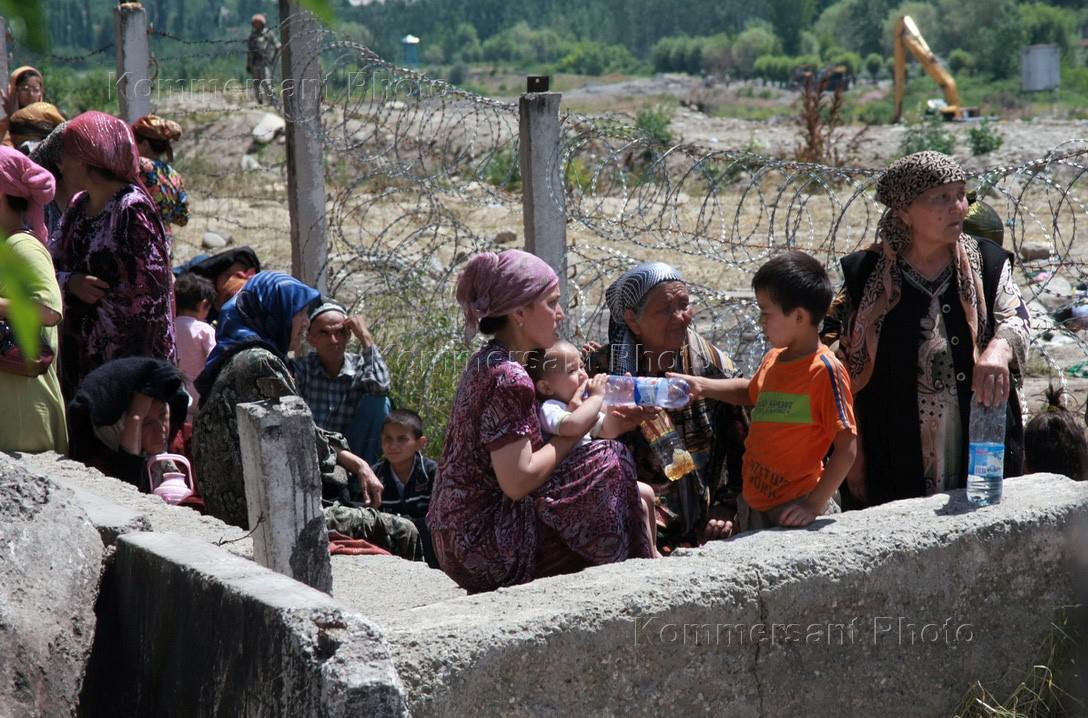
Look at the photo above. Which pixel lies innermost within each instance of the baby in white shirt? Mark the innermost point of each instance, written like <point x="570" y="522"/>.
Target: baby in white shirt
<point x="570" y="400"/>
<point x="570" y="405"/>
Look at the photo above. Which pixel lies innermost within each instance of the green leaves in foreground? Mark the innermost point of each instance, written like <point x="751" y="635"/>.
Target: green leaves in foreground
<point x="28" y="20"/>
<point x="321" y="8"/>
<point x="17" y="277"/>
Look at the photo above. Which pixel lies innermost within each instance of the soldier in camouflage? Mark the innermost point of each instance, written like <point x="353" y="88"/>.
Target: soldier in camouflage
<point x="260" y="54"/>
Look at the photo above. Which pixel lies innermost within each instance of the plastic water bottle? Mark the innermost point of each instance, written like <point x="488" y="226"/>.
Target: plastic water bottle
<point x="667" y="393"/>
<point x="986" y="454"/>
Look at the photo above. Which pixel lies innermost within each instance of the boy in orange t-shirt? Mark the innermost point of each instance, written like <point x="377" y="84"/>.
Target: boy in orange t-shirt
<point x="803" y="405"/>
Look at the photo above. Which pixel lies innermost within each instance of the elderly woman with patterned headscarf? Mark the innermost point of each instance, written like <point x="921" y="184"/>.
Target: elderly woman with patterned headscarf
<point x="111" y="254"/>
<point x="154" y="139"/>
<point x="649" y="334"/>
<point x="508" y="507"/>
<point x="928" y="318"/>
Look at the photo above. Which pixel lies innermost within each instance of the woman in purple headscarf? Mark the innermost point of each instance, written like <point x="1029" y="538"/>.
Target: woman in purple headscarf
<point x="111" y="254"/>
<point x="507" y="507"/>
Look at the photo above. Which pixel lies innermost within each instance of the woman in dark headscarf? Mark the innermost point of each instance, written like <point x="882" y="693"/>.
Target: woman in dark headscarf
<point x="111" y="254"/>
<point x="649" y="334"/>
<point x="257" y="328"/>
<point x="930" y="303"/>
<point x="47" y="154"/>
<point x="508" y="507"/>
<point x="125" y="411"/>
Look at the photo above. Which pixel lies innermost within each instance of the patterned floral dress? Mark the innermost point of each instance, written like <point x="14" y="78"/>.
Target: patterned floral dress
<point x="167" y="189"/>
<point x="938" y="402"/>
<point x="125" y="245"/>
<point x="586" y="514"/>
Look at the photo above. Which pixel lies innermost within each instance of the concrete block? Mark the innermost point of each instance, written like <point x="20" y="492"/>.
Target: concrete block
<point x="108" y="518"/>
<point x="893" y="611"/>
<point x="283" y="489"/>
<point x="201" y="632"/>
<point x="543" y="192"/>
<point x="50" y="564"/>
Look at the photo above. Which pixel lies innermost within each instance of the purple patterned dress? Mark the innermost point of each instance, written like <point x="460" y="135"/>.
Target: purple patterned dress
<point x="126" y="246"/>
<point x="586" y="514"/>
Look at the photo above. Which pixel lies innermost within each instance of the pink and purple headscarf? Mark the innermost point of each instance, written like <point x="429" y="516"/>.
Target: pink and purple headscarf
<point x="21" y="177"/>
<point x="104" y="141"/>
<point x="493" y="285"/>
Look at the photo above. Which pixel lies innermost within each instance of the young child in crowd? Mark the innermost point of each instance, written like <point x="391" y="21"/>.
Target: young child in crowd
<point x="803" y="405"/>
<point x="406" y="474"/>
<point x="195" y="338"/>
<point x="1054" y="441"/>
<point x="561" y="381"/>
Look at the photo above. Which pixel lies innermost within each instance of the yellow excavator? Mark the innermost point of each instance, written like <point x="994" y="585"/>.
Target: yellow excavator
<point x="907" y="38"/>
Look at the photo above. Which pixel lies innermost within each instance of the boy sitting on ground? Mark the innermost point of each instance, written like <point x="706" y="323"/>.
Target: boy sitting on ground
<point x="802" y="399"/>
<point x="571" y="406"/>
<point x="407" y="475"/>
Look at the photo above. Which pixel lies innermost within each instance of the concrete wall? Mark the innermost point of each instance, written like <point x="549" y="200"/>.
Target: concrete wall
<point x="893" y="611"/>
<point x="198" y="632"/>
<point x="186" y="627"/>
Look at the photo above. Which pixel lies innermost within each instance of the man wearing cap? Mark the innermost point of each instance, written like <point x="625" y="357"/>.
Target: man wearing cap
<point x="228" y="271"/>
<point x="347" y="392"/>
<point x="262" y="50"/>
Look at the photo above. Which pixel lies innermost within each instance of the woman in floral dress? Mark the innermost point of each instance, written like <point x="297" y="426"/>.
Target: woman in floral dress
<point x="507" y="507"/>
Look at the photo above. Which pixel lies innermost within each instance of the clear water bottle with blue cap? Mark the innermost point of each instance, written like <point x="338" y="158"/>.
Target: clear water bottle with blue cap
<point x="665" y="392"/>
<point x="986" y="454"/>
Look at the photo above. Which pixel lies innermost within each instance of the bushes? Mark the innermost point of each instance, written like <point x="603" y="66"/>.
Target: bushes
<point x="983" y="139"/>
<point x="654" y="123"/>
<point x="692" y="54"/>
<point x="588" y="58"/>
<point x="929" y="135"/>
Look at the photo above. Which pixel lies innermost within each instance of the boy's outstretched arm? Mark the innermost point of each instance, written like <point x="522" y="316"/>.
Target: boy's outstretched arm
<point x="731" y="391"/>
<point x="805" y="511"/>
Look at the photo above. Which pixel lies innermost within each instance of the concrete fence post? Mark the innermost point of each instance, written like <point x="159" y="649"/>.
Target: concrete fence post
<point x="543" y="197"/>
<point x="133" y="53"/>
<point x="302" y="88"/>
<point x="283" y="490"/>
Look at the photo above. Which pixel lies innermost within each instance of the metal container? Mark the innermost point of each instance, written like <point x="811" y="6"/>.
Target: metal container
<point x="1040" y="68"/>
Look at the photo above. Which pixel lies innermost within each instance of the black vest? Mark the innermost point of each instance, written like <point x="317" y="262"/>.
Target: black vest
<point x="887" y="408"/>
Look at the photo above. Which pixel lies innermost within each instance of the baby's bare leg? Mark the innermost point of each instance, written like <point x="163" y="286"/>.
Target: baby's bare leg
<point x="646" y="493"/>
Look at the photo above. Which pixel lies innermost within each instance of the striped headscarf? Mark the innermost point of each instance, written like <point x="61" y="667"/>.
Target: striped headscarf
<point x="629" y="292"/>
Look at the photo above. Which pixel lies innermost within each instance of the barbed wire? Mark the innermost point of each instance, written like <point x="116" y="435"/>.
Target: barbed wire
<point x="422" y="174"/>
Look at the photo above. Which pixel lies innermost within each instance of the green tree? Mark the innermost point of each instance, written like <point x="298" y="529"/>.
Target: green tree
<point x="924" y="15"/>
<point x="752" y="44"/>
<point x="988" y="29"/>
<point x="790" y="18"/>
<point x="961" y="62"/>
<point x="853" y="25"/>
<point x="1044" y="24"/>
<point x="874" y="64"/>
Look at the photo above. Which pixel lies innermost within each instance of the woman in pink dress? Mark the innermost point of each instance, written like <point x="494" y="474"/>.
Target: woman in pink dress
<point x="506" y="506"/>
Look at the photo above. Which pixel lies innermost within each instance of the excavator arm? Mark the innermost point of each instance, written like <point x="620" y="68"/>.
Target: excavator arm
<point x="907" y="38"/>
